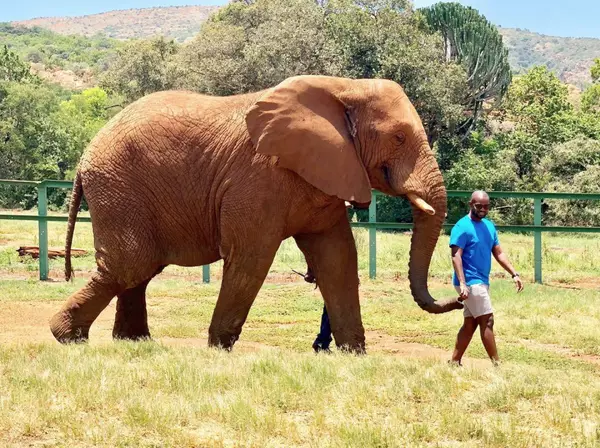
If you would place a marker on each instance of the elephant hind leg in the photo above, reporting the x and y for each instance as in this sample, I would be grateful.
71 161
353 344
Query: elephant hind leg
72 323
131 320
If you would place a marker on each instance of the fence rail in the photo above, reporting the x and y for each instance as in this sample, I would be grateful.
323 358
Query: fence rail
537 228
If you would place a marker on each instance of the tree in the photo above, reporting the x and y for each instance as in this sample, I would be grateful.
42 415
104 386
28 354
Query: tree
477 45
81 117
384 40
596 71
13 69
141 67
247 47
590 100
538 103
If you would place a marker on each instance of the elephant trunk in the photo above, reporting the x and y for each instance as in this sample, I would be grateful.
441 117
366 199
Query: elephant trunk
426 232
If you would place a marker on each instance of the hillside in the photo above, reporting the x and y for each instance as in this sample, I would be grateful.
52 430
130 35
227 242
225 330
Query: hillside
69 60
178 22
569 58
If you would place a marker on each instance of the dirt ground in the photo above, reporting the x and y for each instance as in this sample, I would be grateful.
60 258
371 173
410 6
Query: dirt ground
27 322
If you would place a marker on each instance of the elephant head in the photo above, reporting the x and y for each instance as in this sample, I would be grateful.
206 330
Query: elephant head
346 137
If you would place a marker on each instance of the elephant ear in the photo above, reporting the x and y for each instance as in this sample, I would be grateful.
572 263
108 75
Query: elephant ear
310 131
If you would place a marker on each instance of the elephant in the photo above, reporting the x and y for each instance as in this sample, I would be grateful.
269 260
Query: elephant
184 178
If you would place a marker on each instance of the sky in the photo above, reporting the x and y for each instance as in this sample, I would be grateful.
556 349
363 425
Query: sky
571 18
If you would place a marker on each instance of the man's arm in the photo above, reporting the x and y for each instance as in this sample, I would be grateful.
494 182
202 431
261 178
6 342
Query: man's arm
502 259
458 268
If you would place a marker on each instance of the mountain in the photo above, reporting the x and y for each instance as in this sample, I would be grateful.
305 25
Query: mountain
569 58
178 22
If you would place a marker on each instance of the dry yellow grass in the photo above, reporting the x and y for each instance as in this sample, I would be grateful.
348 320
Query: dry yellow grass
273 391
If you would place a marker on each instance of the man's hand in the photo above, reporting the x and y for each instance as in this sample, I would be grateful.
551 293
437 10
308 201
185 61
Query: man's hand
518 283
464 292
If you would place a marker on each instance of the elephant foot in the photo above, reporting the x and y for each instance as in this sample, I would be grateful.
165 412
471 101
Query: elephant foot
224 341
353 349
122 331
354 344
65 332
132 336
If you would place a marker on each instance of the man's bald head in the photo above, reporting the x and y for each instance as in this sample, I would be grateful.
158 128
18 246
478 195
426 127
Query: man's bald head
480 204
479 195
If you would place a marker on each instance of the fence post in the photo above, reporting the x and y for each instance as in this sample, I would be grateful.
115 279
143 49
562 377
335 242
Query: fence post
373 237
206 273
43 230
537 239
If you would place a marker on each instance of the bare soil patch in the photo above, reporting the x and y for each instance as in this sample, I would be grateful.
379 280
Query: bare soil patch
562 351
27 322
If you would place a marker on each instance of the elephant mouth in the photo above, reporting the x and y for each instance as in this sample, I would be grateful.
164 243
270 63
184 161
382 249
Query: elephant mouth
420 203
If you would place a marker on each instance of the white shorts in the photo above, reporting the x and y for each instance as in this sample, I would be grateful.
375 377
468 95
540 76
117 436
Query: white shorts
479 302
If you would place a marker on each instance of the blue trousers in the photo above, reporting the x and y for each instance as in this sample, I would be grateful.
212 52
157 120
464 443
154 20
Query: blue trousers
324 337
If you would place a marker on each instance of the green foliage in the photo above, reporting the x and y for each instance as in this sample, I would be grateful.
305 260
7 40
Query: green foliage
536 98
536 141
43 131
141 67
574 166
13 69
595 71
53 50
570 158
248 46
245 48
590 100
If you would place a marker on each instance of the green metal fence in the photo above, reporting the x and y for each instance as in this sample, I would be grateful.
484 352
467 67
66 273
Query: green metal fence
537 228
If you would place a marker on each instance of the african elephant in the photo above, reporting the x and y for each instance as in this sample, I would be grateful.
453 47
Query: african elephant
188 179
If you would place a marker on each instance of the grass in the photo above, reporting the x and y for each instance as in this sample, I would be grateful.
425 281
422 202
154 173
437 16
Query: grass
148 394
272 391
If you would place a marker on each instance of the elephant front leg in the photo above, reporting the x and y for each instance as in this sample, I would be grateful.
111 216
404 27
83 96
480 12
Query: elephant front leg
244 272
333 260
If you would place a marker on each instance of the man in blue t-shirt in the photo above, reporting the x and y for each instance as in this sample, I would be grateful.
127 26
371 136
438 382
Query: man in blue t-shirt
473 241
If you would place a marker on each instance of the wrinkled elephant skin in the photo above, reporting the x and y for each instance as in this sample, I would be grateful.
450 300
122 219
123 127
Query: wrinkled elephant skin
187 179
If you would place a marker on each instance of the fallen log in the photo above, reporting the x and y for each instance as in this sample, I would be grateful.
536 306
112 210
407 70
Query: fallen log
34 252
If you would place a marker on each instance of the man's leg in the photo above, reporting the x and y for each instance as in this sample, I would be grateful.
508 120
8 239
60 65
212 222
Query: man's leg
486 328
324 337
465 334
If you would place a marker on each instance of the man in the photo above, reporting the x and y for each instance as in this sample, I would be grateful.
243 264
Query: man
324 338
473 241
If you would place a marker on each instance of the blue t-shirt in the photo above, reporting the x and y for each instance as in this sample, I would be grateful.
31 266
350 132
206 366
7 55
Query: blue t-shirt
476 238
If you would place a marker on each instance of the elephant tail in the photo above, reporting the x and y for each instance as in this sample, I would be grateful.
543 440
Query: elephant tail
76 196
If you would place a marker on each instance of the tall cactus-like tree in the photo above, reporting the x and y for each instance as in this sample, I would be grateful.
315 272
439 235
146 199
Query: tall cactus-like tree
475 43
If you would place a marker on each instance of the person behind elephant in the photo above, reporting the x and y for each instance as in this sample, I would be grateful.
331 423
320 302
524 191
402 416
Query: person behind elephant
324 338
473 241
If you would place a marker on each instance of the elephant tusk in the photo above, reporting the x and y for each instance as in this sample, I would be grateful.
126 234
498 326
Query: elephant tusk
421 204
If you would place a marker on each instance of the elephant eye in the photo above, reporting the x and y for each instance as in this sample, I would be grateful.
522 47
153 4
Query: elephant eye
401 138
